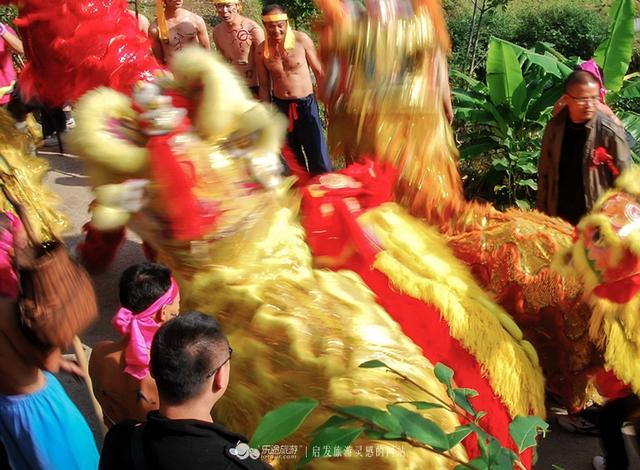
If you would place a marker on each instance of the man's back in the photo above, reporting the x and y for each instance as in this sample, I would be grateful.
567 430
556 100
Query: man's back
170 444
121 396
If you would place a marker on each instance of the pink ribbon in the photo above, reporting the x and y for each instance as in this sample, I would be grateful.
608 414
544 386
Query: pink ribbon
141 328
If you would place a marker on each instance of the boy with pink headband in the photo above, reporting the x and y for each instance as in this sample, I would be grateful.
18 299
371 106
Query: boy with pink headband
120 370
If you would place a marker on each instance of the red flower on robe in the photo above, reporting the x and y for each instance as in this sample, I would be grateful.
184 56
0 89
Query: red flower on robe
602 157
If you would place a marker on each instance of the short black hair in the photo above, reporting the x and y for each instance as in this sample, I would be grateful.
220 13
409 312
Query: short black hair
142 284
184 351
268 9
580 77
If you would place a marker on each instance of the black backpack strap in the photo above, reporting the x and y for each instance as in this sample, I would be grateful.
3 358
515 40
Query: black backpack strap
137 448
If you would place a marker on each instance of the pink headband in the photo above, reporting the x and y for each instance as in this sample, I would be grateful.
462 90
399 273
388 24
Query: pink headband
8 278
141 328
591 67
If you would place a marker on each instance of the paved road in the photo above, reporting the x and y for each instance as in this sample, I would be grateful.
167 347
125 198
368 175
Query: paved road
568 451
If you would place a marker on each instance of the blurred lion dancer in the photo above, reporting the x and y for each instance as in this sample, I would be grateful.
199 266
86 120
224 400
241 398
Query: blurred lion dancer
81 31
393 113
219 215
605 256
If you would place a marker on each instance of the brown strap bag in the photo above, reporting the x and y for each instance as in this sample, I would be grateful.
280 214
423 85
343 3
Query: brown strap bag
57 299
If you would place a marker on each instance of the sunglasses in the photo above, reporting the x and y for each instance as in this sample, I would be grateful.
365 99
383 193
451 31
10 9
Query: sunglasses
213 372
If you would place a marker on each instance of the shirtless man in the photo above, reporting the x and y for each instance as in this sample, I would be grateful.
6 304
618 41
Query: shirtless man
182 29
283 63
236 38
120 370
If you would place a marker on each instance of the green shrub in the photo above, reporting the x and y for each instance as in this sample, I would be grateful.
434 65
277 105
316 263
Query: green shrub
573 29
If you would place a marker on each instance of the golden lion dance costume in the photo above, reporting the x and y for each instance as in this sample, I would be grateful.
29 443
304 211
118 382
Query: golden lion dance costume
21 173
190 164
386 79
605 256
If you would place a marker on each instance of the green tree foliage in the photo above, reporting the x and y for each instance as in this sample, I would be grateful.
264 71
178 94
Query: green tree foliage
574 29
402 421
301 12
8 14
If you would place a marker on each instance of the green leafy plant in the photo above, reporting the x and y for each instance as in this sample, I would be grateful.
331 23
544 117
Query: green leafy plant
401 421
501 120
614 56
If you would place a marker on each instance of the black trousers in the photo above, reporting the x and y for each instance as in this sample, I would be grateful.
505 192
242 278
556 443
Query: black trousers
609 420
52 119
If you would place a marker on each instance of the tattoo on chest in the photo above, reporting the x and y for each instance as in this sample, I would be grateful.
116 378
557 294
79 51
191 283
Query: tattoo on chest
180 40
242 36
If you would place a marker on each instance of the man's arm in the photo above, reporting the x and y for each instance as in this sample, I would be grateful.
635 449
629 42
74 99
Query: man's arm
264 79
203 35
312 58
619 148
12 40
156 43
257 37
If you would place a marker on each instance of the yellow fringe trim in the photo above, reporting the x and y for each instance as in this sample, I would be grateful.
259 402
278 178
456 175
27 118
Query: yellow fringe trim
616 328
419 263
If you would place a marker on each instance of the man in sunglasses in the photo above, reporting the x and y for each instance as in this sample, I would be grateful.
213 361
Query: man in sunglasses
583 150
190 361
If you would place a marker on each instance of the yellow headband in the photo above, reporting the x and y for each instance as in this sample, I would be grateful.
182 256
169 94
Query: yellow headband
274 18
163 27
289 37
222 2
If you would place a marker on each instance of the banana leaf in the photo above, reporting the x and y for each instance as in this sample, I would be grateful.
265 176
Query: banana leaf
614 54
631 89
504 76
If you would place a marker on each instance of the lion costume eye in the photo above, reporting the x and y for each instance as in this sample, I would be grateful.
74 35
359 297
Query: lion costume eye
596 237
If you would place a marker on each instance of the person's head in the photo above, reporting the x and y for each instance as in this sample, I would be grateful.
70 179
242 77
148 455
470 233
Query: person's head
190 360
228 10
142 284
583 91
172 4
276 30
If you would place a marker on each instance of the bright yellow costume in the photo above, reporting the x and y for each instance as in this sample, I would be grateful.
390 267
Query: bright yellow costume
299 331
22 173
386 79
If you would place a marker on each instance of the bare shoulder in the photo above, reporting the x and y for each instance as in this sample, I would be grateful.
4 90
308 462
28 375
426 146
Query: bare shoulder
197 19
260 48
256 30
303 37
106 350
